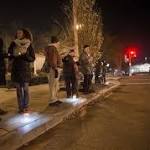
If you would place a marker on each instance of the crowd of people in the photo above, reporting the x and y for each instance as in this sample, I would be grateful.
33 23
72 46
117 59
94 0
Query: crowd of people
21 53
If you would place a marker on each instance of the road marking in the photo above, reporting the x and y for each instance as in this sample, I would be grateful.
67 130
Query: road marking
140 79
107 96
136 84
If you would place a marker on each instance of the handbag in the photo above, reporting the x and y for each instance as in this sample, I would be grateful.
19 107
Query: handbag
45 67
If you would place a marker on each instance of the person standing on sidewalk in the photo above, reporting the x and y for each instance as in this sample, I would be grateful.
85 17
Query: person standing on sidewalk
53 62
98 75
21 54
71 74
104 70
2 71
85 62
2 65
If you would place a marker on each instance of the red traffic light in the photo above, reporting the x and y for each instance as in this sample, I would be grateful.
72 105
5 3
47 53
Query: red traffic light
132 52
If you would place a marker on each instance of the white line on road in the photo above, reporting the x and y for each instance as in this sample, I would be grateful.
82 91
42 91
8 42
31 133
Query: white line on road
139 79
107 96
136 84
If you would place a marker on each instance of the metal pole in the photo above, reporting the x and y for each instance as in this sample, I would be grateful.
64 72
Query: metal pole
130 65
75 3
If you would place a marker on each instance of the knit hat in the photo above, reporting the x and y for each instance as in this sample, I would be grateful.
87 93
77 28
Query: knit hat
54 39
85 46
71 51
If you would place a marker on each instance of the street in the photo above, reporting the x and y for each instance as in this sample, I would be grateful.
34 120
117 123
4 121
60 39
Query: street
119 122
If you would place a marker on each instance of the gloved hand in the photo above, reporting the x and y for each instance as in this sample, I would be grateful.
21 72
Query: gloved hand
56 73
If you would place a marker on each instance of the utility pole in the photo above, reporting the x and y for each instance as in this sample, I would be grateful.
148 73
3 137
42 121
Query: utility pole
130 64
76 43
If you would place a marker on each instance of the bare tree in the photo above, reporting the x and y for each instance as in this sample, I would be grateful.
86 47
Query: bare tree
89 25
113 50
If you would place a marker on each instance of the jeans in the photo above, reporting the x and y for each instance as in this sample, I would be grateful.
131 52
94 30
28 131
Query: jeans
87 82
71 86
22 95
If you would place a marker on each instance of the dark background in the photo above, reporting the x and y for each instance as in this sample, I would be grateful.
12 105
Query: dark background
130 21
127 19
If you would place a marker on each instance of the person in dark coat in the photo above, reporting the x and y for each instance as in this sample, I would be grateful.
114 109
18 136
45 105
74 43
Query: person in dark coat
71 74
2 71
104 71
85 61
98 70
2 65
21 54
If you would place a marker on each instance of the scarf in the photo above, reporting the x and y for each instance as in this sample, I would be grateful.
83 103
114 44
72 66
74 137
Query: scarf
21 46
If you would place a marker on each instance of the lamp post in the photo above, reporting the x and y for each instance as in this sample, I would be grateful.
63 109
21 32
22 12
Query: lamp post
75 4
130 64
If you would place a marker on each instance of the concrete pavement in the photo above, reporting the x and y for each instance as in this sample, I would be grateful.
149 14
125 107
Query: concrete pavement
16 130
119 122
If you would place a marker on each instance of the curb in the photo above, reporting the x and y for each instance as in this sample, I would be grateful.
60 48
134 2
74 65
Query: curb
22 135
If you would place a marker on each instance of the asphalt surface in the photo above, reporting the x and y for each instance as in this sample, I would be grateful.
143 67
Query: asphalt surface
119 122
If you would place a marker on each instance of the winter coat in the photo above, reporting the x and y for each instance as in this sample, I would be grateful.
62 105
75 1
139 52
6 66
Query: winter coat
20 65
69 67
85 64
98 68
52 56
2 68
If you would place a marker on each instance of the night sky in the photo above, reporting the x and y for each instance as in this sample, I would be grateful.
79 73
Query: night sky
127 19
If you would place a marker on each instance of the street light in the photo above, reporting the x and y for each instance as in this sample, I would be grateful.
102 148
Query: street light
75 20
79 26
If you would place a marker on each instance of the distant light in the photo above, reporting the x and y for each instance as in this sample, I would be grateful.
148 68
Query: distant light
140 68
145 58
132 52
79 26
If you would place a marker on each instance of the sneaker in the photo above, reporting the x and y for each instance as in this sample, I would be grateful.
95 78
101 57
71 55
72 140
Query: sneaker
56 103
20 111
86 93
26 110
2 112
91 91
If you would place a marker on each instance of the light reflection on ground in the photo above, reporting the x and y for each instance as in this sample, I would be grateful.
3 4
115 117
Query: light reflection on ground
75 101
27 122
23 119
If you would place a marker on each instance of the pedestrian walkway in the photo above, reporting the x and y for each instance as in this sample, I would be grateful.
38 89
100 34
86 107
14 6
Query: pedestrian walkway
17 129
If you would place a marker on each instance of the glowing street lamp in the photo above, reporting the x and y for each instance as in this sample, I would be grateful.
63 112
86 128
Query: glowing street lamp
79 26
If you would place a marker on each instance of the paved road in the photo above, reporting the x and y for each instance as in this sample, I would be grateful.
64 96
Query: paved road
120 122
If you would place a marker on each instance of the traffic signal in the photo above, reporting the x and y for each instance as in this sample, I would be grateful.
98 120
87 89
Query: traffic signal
131 52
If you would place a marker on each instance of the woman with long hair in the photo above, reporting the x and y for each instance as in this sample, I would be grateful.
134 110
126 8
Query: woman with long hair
2 71
2 64
21 54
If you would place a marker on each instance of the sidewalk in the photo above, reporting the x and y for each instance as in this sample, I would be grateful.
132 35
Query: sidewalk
17 130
